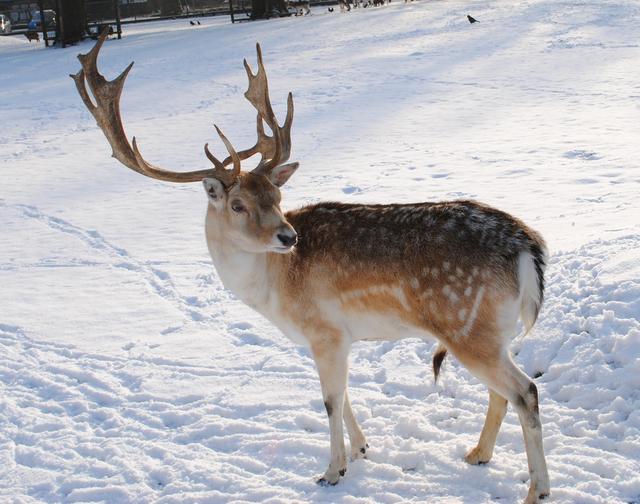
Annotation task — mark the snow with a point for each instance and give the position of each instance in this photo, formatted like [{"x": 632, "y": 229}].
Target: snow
[{"x": 129, "y": 374}]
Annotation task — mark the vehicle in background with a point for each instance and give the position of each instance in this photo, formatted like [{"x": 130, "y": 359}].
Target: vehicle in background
[
  {"x": 5, "y": 24},
  {"x": 36, "y": 24}
]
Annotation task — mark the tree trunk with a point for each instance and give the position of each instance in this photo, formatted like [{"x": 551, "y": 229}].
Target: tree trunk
[{"x": 264, "y": 9}]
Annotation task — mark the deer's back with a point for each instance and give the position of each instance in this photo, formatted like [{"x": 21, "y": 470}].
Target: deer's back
[{"x": 448, "y": 236}]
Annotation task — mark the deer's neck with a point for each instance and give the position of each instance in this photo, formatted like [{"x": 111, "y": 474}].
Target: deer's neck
[{"x": 249, "y": 276}]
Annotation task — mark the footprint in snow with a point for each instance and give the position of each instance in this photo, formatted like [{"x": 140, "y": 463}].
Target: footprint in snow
[
  {"x": 351, "y": 189},
  {"x": 240, "y": 325},
  {"x": 170, "y": 330},
  {"x": 581, "y": 154},
  {"x": 252, "y": 339}
]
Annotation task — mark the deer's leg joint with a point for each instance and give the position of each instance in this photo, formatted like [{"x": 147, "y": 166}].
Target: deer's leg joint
[{"x": 328, "y": 407}]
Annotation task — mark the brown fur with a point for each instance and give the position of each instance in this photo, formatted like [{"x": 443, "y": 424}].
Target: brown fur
[
  {"x": 435, "y": 256},
  {"x": 260, "y": 199}
]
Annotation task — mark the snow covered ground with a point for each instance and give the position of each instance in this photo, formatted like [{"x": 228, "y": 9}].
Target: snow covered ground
[{"x": 128, "y": 373}]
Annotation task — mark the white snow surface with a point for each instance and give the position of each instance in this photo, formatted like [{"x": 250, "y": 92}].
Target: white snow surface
[{"x": 129, "y": 374}]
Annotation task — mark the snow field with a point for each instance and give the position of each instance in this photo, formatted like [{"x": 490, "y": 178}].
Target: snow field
[{"x": 128, "y": 373}]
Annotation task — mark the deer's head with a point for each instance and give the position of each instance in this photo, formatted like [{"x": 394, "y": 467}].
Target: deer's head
[
  {"x": 248, "y": 212},
  {"x": 246, "y": 203}
]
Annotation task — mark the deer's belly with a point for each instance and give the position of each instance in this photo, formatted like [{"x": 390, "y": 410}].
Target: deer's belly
[
  {"x": 304, "y": 325},
  {"x": 371, "y": 326}
]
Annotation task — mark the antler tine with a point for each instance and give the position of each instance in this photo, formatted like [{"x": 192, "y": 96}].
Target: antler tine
[
  {"x": 227, "y": 177},
  {"x": 106, "y": 112},
  {"x": 216, "y": 162},
  {"x": 232, "y": 152},
  {"x": 264, "y": 144}
]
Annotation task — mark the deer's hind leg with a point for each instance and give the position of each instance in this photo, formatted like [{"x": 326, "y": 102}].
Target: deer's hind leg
[
  {"x": 482, "y": 453},
  {"x": 356, "y": 437},
  {"x": 492, "y": 364},
  {"x": 523, "y": 395}
]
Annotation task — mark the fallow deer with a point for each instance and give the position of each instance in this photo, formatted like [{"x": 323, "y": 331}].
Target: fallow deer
[{"x": 331, "y": 274}]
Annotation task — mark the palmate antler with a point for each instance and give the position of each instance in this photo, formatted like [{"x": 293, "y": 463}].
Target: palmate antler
[{"x": 274, "y": 150}]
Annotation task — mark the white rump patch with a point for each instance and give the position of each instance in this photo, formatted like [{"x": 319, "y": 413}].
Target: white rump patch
[{"x": 529, "y": 290}]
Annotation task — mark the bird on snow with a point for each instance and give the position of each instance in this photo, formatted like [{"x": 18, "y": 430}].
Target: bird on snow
[
  {"x": 330, "y": 9},
  {"x": 192, "y": 23},
  {"x": 472, "y": 20},
  {"x": 198, "y": 22}
]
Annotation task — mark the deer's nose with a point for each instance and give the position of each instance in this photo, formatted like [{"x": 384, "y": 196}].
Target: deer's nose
[{"x": 288, "y": 239}]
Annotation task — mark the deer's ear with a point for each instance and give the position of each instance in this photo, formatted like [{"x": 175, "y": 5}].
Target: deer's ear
[
  {"x": 215, "y": 191},
  {"x": 280, "y": 174}
]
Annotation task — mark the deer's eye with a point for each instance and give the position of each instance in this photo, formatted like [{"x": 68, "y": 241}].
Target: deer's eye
[{"x": 238, "y": 207}]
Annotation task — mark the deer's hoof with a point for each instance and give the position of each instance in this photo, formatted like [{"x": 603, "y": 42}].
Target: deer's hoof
[
  {"x": 359, "y": 451},
  {"x": 535, "y": 496},
  {"x": 477, "y": 457},
  {"x": 331, "y": 477}
]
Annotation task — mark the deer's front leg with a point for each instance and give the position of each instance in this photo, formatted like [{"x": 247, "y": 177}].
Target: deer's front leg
[{"x": 330, "y": 355}]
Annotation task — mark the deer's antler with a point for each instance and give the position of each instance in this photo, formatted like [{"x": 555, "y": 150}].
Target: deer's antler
[
  {"x": 274, "y": 149},
  {"x": 106, "y": 112},
  {"x": 258, "y": 95}
]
